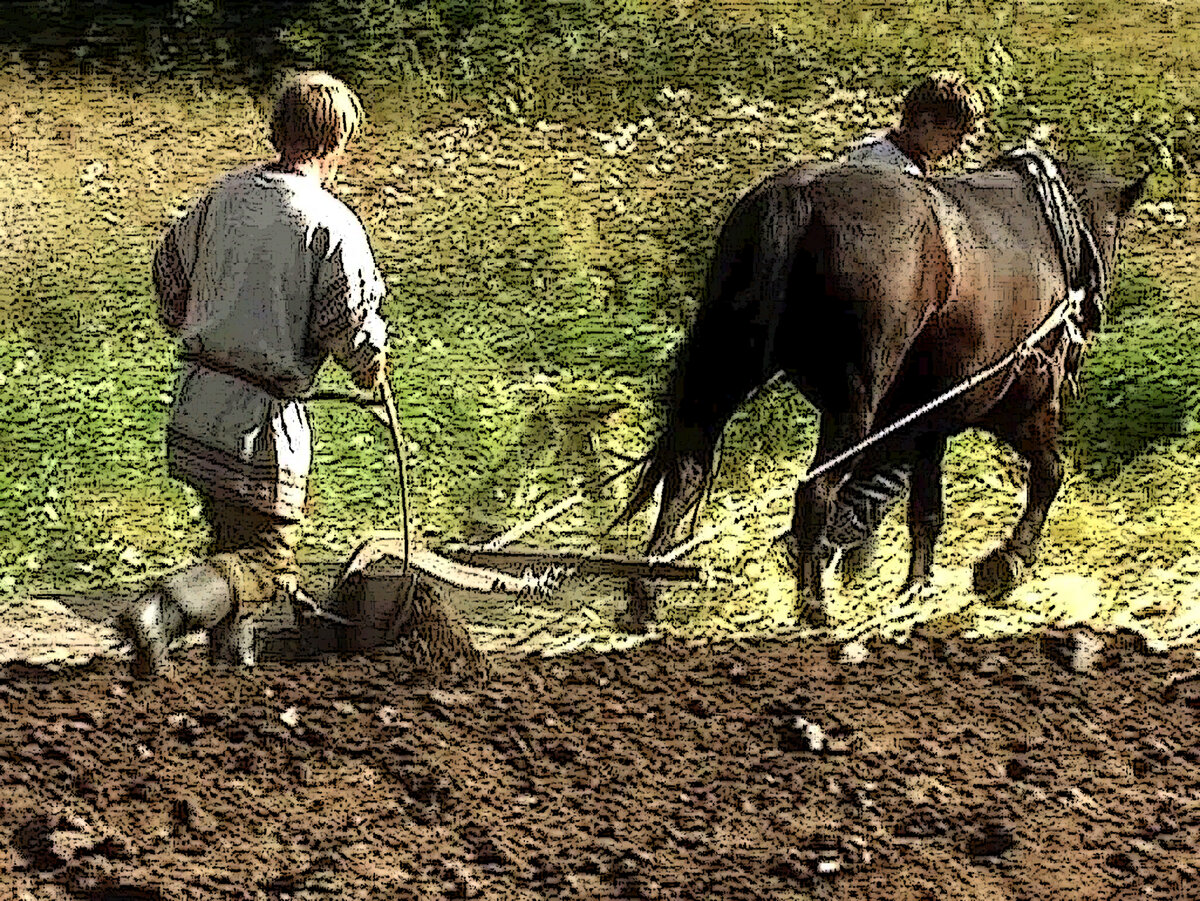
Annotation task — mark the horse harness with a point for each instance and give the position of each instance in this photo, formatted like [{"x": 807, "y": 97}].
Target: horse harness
[{"x": 1078, "y": 254}]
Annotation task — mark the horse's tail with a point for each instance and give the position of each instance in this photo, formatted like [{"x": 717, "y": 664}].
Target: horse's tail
[
  {"x": 688, "y": 434},
  {"x": 730, "y": 350},
  {"x": 660, "y": 459}
]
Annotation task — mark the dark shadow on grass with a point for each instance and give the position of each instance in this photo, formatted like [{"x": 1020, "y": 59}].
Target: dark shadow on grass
[{"x": 1138, "y": 384}]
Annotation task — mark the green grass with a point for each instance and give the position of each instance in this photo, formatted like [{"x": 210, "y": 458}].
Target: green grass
[{"x": 1140, "y": 386}]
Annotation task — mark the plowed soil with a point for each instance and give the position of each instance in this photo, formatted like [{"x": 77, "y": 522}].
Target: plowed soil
[{"x": 934, "y": 768}]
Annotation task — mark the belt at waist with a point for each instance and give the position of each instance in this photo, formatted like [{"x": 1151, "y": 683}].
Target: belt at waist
[{"x": 270, "y": 387}]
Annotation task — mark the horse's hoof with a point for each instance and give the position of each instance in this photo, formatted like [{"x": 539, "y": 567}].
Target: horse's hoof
[
  {"x": 997, "y": 574},
  {"x": 814, "y": 613},
  {"x": 633, "y": 623},
  {"x": 639, "y": 608},
  {"x": 915, "y": 587},
  {"x": 817, "y": 617}
]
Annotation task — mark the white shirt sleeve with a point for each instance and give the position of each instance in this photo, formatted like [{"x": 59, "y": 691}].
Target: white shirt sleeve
[
  {"x": 175, "y": 263},
  {"x": 879, "y": 151},
  {"x": 349, "y": 291}
]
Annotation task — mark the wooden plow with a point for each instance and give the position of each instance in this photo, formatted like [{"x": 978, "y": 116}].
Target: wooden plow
[{"x": 388, "y": 589}]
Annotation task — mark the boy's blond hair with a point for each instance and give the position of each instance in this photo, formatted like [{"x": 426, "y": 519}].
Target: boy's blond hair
[{"x": 315, "y": 115}]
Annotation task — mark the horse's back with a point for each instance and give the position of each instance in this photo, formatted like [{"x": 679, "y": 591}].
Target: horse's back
[
  {"x": 883, "y": 200},
  {"x": 864, "y": 264},
  {"x": 942, "y": 276},
  {"x": 996, "y": 216},
  {"x": 1007, "y": 273}
]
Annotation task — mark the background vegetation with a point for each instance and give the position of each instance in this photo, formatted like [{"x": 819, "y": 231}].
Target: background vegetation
[{"x": 543, "y": 182}]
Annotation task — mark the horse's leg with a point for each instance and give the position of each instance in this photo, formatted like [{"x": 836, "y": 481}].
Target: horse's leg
[
  {"x": 807, "y": 550},
  {"x": 683, "y": 484},
  {"x": 1037, "y": 441},
  {"x": 806, "y": 543},
  {"x": 926, "y": 511}
]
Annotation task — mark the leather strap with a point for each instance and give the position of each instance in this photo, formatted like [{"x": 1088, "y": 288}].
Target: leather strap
[{"x": 266, "y": 385}]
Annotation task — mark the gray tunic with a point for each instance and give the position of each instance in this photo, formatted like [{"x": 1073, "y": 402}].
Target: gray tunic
[{"x": 279, "y": 276}]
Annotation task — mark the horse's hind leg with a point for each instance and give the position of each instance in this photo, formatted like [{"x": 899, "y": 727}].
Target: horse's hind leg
[
  {"x": 926, "y": 510},
  {"x": 809, "y": 549},
  {"x": 1002, "y": 569},
  {"x": 682, "y": 486}
]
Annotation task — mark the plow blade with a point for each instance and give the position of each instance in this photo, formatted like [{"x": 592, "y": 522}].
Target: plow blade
[{"x": 368, "y": 603}]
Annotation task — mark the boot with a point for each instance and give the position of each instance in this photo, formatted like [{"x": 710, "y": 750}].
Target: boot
[
  {"x": 238, "y": 640},
  {"x": 150, "y": 624},
  {"x": 194, "y": 598}
]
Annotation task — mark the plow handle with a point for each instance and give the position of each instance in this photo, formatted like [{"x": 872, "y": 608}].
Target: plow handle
[{"x": 393, "y": 422}]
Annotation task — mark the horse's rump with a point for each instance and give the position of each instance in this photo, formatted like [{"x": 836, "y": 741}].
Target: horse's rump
[
  {"x": 979, "y": 269},
  {"x": 869, "y": 272}
]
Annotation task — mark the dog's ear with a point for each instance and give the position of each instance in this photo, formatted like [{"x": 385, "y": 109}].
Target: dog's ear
[{"x": 1131, "y": 194}]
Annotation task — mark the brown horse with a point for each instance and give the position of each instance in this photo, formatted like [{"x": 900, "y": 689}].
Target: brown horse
[{"x": 874, "y": 292}]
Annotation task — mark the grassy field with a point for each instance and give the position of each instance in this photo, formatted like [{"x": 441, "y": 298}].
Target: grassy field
[{"x": 541, "y": 269}]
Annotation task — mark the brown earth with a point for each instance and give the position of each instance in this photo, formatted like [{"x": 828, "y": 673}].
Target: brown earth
[{"x": 936, "y": 768}]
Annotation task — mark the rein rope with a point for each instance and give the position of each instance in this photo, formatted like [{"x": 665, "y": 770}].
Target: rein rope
[{"x": 393, "y": 421}]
